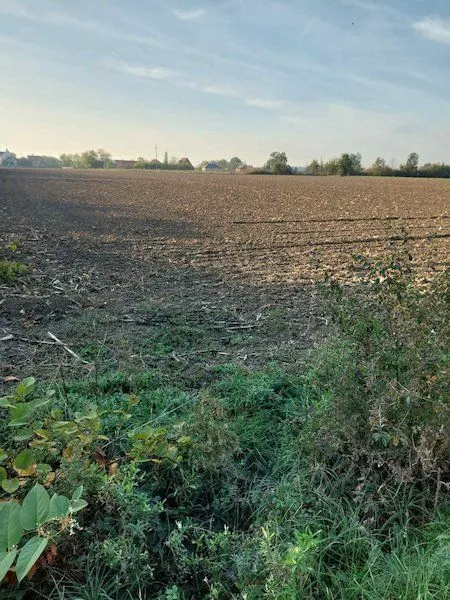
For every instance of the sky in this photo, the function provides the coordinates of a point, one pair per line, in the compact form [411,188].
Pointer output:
[209,79]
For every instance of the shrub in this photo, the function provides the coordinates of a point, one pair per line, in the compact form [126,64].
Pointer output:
[9,269]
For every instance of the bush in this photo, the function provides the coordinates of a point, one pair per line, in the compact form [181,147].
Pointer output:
[9,269]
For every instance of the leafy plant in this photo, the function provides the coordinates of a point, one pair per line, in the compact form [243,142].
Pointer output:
[9,269]
[26,529]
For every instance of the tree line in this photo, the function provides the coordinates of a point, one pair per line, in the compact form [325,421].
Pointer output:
[277,164]
[351,164]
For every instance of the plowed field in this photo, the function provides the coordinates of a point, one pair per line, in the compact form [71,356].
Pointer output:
[121,256]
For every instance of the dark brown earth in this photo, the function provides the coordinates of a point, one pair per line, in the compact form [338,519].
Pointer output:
[132,269]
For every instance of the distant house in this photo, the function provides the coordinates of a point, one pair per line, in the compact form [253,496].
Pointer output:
[211,167]
[7,159]
[185,163]
[124,164]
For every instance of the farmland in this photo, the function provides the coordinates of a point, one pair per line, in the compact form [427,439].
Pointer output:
[253,411]
[131,247]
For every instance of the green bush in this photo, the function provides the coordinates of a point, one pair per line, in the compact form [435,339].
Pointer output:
[9,269]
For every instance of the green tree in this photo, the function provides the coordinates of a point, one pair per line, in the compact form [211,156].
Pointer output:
[89,160]
[412,164]
[141,163]
[349,164]
[345,165]
[356,163]
[331,167]
[314,168]
[235,163]
[104,158]
[24,162]
[379,167]
[66,160]
[278,164]
[223,163]
[166,160]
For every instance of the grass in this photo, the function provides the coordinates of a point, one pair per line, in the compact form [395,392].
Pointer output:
[324,483]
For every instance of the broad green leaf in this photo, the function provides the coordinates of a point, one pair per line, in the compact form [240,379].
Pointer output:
[28,556]
[65,427]
[23,435]
[6,560]
[77,493]
[24,462]
[43,469]
[26,387]
[3,474]
[59,507]
[3,454]
[77,505]
[39,402]
[11,530]
[6,402]
[42,433]
[10,485]
[19,415]
[35,508]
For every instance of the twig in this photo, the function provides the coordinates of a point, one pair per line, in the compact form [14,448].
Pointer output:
[66,348]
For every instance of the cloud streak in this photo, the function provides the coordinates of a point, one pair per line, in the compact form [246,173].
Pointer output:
[189,15]
[434,28]
[181,80]
[67,21]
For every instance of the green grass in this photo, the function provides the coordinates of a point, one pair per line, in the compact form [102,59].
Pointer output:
[320,484]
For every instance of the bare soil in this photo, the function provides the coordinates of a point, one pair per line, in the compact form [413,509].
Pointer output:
[135,269]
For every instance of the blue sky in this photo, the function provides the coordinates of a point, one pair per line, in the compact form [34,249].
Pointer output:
[216,78]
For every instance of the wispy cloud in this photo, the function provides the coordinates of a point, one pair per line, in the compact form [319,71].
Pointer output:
[189,15]
[182,80]
[265,103]
[16,9]
[151,72]
[67,21]
[219,90]
[434,28]
[374,7]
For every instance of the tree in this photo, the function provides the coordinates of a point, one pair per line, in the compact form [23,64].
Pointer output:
[314,168]
[379,168]
[89,160]
[223,163]
[349,164]
[166,159]
[331,167]
[278,164]
[24,162]
[356,160]
[412,164]
[235,163]
[141,163]
[345,165]
[104,158]
[66,160]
